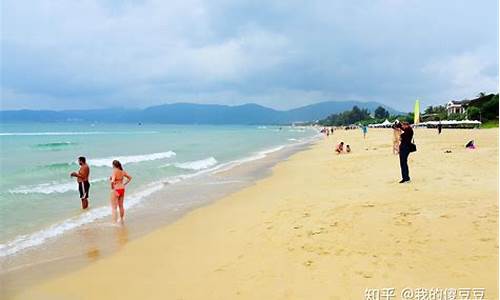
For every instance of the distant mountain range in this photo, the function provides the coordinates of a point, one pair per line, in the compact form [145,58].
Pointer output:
[190,113]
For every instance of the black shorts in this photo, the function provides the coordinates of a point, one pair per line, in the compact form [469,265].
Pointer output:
[83,188]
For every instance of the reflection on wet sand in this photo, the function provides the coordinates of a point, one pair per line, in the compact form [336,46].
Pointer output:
[121,235]
[93,254]
[93,238]
[89,240]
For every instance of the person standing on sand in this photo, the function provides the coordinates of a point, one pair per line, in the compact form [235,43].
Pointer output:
[396,132]
[440,127]
[82,178]
[365,130]
[404,151]
[118,189]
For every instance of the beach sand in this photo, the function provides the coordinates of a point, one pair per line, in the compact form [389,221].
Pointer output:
[322,226]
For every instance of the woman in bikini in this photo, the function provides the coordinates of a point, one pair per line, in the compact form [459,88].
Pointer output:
[118,189]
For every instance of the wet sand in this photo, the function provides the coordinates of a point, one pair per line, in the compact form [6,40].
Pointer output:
[323,226]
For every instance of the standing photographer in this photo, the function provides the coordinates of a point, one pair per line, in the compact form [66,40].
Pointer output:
[405,148]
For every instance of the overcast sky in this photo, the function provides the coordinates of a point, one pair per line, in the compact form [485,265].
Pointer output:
[281,54]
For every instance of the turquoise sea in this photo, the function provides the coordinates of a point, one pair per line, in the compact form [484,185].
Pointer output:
[39,200]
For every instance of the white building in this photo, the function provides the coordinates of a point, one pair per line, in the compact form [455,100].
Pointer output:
[457,107]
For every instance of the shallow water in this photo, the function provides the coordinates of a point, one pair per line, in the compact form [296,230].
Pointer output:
[39,201]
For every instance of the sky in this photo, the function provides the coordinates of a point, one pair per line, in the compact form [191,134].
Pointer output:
[282,54]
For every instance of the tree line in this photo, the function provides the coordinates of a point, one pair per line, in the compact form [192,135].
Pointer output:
[484,108]
[354,116]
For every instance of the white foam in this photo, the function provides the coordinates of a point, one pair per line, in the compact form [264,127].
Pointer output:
[106,162]
[39,237]
[50,187]
[197,164]
[258,155]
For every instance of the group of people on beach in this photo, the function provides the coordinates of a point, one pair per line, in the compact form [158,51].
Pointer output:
[340,148]
[402,145]
[118,180]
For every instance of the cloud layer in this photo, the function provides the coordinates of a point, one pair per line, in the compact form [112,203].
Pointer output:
[283,54]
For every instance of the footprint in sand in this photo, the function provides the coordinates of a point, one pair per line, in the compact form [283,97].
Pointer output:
[308,263]
[339,252]
[403,222]
[485,239]
[315,232]
[365,275]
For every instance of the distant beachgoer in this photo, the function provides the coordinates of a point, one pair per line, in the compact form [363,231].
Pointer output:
[470,145]
[118,189]
[365,130]
[331,130]
[396,132]
[348,149]
[440,127]
[82,178]
[340,148]
[404,151]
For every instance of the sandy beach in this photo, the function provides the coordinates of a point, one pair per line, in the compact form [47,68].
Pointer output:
[322,226]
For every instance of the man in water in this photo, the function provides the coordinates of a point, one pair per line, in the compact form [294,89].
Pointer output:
[404,150]
[82,178]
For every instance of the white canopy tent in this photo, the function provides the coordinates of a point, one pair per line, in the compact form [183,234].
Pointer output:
[451,124]
[384,124]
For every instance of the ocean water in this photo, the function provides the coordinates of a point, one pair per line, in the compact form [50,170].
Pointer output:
[39,200]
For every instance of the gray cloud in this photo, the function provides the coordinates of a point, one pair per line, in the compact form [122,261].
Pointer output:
[75,54]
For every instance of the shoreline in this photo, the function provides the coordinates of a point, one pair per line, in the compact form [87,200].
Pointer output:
[322,226]
[52,258]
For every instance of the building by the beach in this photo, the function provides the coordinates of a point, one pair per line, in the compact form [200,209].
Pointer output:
[457,106]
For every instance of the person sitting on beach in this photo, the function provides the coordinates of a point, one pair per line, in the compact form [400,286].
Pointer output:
[470,145]
[82,178]
[340,148]
[348,149]
[118,189]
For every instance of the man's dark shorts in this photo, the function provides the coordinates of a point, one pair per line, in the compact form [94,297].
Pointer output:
[83,188]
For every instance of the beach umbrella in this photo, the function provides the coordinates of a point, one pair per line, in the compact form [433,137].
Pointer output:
[416,118]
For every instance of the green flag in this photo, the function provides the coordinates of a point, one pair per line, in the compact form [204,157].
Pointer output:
[416,117]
